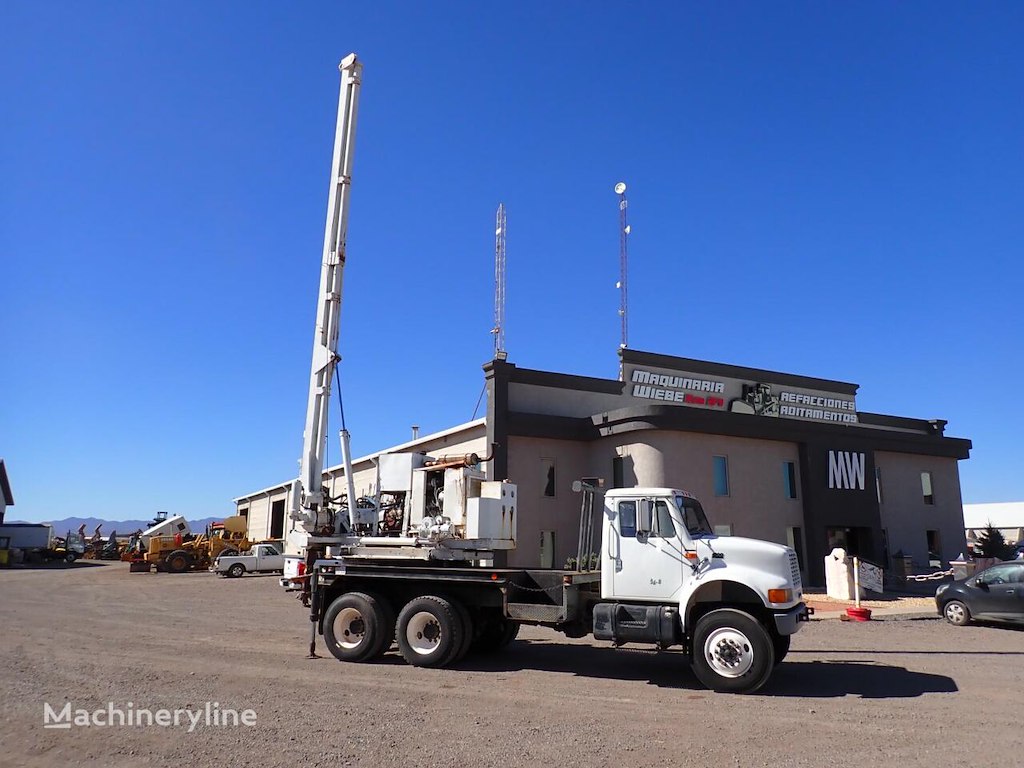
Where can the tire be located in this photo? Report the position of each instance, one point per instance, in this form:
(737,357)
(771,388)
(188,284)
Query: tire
(956,613)
(780,644)
(236,570)
(358,627)
(177,562)
(466,619)
(495,633)
(732,652)
(70,557)
(429,632)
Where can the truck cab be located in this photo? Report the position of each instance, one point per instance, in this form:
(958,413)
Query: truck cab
(658,546)
(666,576)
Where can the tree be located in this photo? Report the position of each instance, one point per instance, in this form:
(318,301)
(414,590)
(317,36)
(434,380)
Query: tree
(992,544)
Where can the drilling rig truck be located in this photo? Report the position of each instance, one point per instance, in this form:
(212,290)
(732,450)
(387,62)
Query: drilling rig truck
(415,564)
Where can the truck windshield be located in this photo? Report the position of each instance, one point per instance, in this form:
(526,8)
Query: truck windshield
(693,516)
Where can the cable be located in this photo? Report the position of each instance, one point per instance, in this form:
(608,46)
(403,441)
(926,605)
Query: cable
(479,400)
(341,405)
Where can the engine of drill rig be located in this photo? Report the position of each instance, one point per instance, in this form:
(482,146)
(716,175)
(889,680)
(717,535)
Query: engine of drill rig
(445,498)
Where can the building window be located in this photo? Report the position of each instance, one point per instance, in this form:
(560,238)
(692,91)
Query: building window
(926,488)
(721,464)
(789,479)
(547,477)
(244,512)
(878,483)
(627,518)
(618,473)
(934,549)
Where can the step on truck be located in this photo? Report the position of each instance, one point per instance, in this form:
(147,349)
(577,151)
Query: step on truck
(664,579)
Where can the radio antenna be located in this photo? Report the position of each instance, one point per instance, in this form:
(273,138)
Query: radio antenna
(499,284)
(620,190)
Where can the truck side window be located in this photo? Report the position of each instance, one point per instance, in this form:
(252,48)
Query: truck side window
(663,521)
(627,518)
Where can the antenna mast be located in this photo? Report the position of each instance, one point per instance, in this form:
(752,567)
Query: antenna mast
(499,284)
(620,190)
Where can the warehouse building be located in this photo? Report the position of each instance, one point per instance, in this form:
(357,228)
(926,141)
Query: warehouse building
(771,455)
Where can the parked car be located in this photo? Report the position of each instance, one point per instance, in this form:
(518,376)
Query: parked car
(995,594)
(262,558)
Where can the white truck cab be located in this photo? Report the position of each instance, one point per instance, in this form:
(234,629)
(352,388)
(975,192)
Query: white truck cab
(660,547)
(662,566)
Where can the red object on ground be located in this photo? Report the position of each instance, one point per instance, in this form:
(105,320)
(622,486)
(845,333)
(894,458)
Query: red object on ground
(859,614)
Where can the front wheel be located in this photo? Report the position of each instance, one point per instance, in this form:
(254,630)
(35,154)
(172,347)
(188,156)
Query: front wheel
(732,652)
(178,561)
(956,613)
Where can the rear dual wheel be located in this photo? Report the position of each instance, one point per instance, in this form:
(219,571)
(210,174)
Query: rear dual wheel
(495,632)
(359,626)
(433,631)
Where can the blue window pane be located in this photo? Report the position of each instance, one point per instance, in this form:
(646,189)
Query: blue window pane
(789,479)
(721,464)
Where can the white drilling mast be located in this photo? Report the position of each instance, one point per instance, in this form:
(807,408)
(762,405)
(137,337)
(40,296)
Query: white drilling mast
(307,497)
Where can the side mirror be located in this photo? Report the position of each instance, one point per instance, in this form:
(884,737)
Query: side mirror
(645,524)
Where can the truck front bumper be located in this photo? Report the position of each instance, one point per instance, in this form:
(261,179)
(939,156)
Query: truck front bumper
(788,622)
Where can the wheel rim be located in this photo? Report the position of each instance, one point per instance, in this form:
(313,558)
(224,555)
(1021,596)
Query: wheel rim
(955,613)
(423,633)
(236,571)
(729,652)
(349,628)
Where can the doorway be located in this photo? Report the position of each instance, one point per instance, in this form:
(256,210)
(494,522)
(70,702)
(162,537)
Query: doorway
(277,520)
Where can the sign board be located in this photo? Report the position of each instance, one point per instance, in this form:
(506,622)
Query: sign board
(724,393)
(870,576)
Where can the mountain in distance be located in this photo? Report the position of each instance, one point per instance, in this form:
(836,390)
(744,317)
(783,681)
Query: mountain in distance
(121,527)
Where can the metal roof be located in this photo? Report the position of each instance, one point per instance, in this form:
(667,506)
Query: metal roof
(1003,515)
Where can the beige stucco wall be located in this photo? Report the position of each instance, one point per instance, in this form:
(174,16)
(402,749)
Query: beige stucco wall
(906,517)
(756,507)
(540,513)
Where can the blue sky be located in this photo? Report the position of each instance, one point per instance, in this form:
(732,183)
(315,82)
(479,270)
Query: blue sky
(830,189)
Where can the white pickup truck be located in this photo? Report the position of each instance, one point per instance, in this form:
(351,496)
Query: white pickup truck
(262,558)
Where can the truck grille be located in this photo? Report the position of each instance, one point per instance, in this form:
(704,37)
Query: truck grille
(794,570)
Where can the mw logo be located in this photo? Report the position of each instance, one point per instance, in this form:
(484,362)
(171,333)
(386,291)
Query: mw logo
(846,470)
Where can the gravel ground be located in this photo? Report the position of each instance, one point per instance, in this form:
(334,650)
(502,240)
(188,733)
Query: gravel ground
(895,692)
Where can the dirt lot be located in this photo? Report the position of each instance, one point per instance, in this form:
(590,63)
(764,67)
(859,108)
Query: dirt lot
(894,692)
